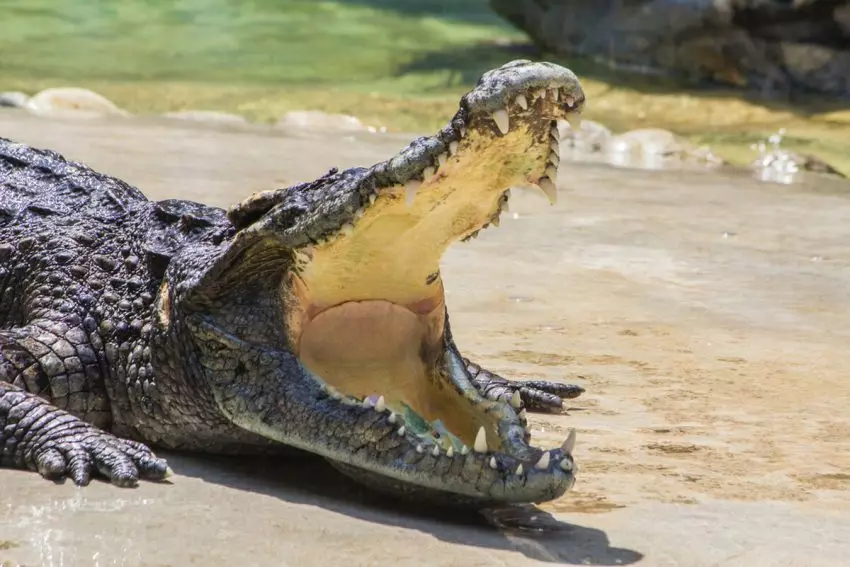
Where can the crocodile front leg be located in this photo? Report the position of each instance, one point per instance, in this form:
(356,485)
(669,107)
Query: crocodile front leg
(37,365)
(536,395)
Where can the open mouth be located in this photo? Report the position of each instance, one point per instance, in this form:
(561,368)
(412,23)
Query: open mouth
(366,306)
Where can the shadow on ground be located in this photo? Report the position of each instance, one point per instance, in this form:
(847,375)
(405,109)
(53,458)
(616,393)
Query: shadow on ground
(306,480)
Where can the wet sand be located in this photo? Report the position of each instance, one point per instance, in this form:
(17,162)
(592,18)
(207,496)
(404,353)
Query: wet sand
(706,314)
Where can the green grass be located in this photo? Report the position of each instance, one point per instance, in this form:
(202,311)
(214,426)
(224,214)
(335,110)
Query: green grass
(396,63)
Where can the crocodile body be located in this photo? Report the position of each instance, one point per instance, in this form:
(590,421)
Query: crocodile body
(298,318)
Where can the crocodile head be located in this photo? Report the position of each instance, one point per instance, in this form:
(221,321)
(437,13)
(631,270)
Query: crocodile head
(325,325)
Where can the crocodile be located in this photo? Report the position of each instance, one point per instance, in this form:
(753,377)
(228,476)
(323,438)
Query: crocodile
(309,318)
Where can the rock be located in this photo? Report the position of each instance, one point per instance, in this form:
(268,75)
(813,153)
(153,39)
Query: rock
(14,99)
(72,101)
(320,121)
(775,47)
(589,138)
(211,116)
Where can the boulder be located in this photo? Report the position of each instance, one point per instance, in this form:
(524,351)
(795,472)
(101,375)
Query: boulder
(777,48)
(72,101)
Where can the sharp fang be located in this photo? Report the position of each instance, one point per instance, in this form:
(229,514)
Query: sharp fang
(401,431)
(519,470)
(574,119)
(462,132)
(428,173)
(555,146)
(442,158)
(505,207)
(453,148)
(495,221)
(549,189)
(380,405)
(522,102)
(410,189)
(435,451)
(569,100)
(450,452)
(493,463)
(543,463)
(420,449)
(522,415)
(502,120)
(347,229)
(554,159)
(566,465)
(516,400)
(570,442)
(464,450)
(554,134)
(555,94)
(392,418)
(480,441)
(552,172)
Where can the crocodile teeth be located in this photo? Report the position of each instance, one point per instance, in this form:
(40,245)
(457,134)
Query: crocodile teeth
(495,221)
(505,207)
(574,118)
(554,159)
(566,465)
(522,102)
(450,452)
(372,198)
(519,470)
(516,400)
(569,100)
(464,450)
(543,463)
(480,441)
(410,189)
(442,158)
(493,463)
(435,451)
(522,415)
(570,442)
(552,172)
(555,146)
(549,189)
(420,449)
(428,173)
(462,132)
(380,405)
(401,431)
(347,229)
(453,148)
(502,120)
(555,94)
(392,418)
(554,134)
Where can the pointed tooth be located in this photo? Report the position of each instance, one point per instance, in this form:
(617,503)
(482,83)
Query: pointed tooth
(495,221)
(569,100)
(453,148)
(480,441)
(502,120)
(463,132)
(519,470)
(381,404)
(570,442)
(554,159)
(401,431)
(543,463)
(493,463)
(555,94)
(358,214)
(464,450)
(428,173)
(442,158)
(420,449)
(436,451)
(522,102)
(410,189)
(516,400)
(506,208)
(566,465)
(552,172)
(347,229)
(450,452)
(372,198)
(522,414)
(549,189)
(555,134)
(392,418)
(555,146)
(574,118)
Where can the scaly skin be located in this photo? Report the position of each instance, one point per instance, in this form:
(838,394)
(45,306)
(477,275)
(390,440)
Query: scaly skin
(125,321)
